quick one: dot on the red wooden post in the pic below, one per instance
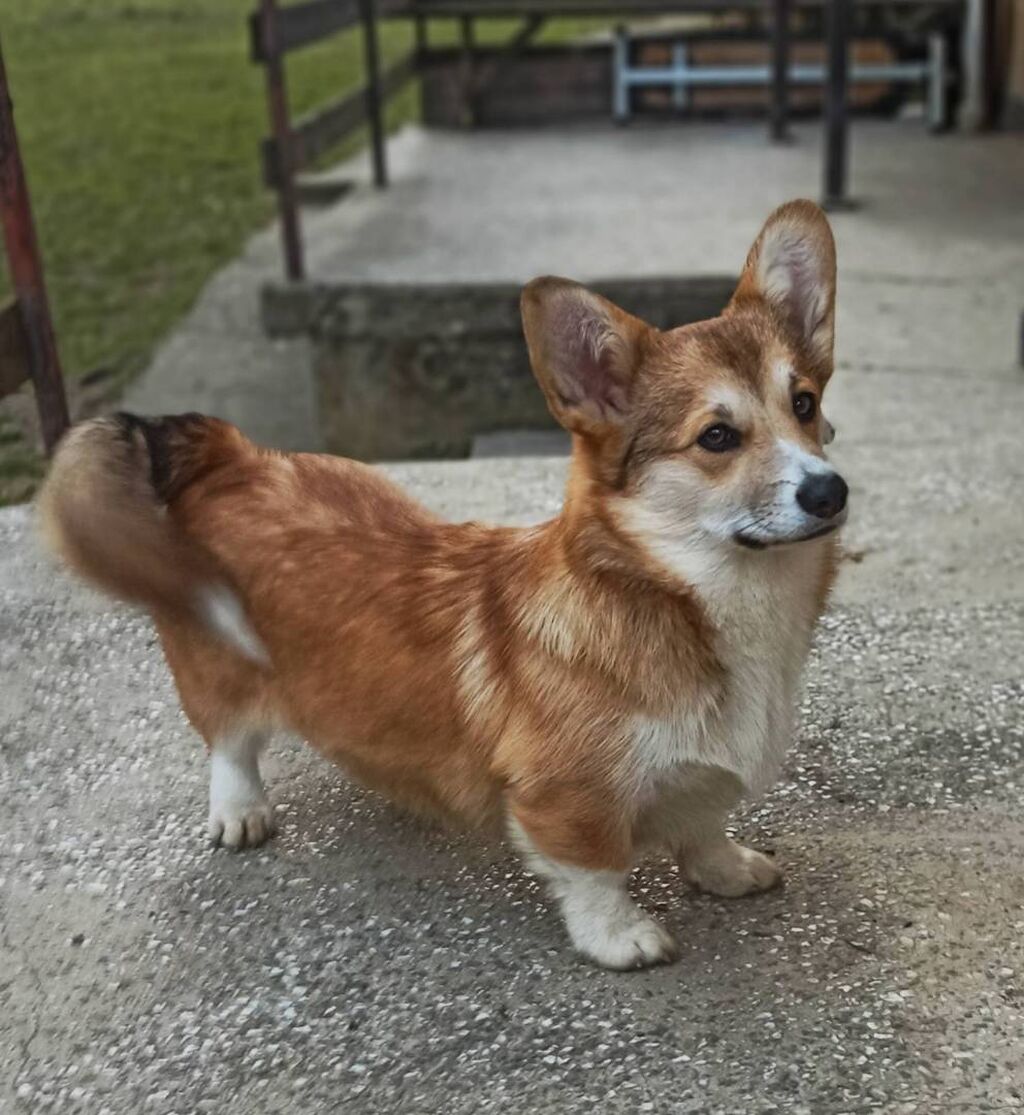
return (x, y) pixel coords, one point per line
(27, 277)
(277, 103)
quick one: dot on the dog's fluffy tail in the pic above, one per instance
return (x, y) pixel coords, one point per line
(103, 509)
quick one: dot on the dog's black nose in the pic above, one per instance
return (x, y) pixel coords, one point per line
(823, 494)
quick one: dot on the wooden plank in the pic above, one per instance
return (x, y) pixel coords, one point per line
(13, 349)
(397, 75)
(375, 99)
(315, 134)
(300, 25)
(510, 50)
(571, 82)
(512, 9)
(280, 124)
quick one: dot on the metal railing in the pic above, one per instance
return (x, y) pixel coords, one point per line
(293, 146)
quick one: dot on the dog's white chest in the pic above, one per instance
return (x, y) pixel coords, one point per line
(763, 625)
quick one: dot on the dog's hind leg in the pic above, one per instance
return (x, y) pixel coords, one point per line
(228, 700)
(241, 816)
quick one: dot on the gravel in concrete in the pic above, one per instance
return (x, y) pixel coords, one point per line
(366, 962)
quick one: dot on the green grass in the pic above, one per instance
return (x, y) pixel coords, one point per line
(139, 123)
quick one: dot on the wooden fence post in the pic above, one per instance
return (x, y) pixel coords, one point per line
(837, 34)
(38, 344)
(374, 101)
(780, 72)
(277, 105)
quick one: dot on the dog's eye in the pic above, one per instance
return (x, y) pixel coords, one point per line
(719, 438)
(805, 406)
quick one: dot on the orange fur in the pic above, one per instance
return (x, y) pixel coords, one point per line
(472, 671)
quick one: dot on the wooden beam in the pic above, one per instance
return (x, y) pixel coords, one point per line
(374, 94)
(510, 50)
(317, 133)
(280, 123)
(13, 349)
(552, 9)
(25, 266)
(467, 71)
(299, 25)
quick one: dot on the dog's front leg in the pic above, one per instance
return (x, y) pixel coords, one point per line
(240, 814)
(586, 865)
(708, 858)
(720, 866)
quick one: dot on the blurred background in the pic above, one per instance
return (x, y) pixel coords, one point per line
(500, 139)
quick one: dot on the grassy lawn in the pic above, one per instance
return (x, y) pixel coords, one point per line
(139, 123)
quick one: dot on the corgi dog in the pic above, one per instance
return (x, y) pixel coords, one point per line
(609, 683)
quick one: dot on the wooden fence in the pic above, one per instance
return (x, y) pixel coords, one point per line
(295, 145)
(28, 350)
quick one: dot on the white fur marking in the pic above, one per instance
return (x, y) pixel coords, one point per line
(761, 605)
(223, 613)
(731, 398)
(603, 922)
(781, 519)
(240, 813)
(782, 373)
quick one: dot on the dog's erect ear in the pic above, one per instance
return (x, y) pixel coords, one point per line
(584, 351)
(792, 266)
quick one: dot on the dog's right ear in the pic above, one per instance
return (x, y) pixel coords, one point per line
(585, 352)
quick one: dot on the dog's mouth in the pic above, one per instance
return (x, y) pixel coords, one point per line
(752, 543)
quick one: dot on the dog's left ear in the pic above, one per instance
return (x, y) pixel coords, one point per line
(792, 266)
(585, 353)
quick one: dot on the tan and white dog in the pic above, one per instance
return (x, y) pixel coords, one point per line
(610, 682)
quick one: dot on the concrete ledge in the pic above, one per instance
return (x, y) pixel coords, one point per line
(417, 370)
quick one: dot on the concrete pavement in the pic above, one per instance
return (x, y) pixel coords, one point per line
(365, 962)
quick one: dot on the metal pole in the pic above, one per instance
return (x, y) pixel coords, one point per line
(780, 72)
(422, 35)
(837, 31)
(374, 106)
(26, 269)
(937, 80)
(468, 74)
(277, 107)
(620, 64)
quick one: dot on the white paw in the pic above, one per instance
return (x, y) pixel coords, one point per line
(243, 824)
(240, 815)
(624, 944)
(731, 871)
